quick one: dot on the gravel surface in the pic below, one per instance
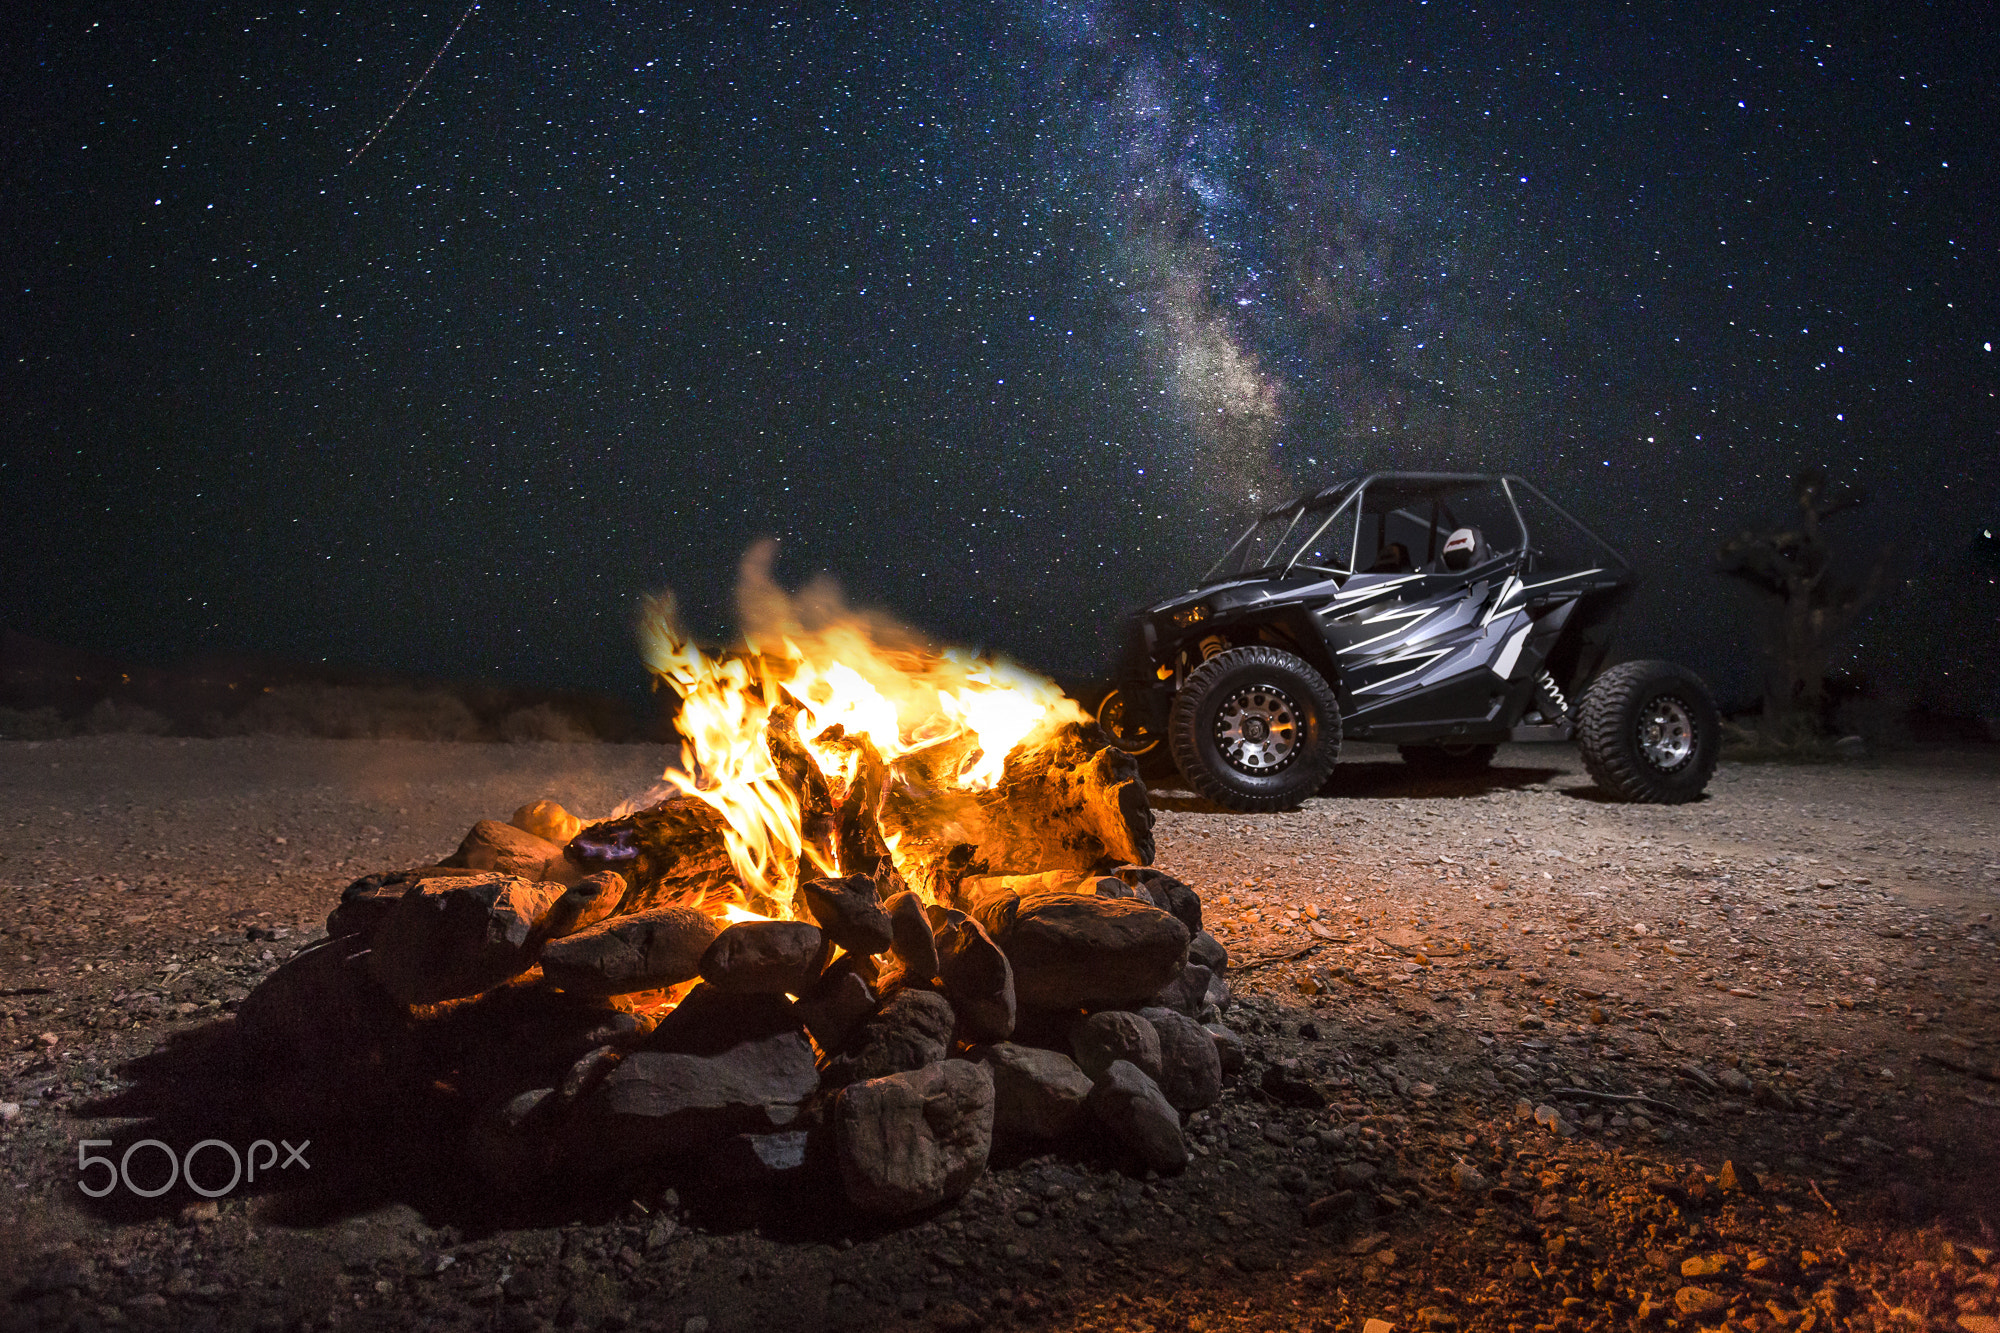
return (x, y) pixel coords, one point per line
(1519, 1059)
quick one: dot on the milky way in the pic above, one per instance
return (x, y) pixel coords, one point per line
(1003, 315)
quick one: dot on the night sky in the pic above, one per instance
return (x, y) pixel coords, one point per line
(1007, 315)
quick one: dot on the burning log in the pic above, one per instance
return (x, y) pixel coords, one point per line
(1074, 802)
(932, 853)
(673, 852)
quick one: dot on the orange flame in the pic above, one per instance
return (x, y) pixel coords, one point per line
(861, 674)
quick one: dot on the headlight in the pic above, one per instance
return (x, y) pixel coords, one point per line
(1190, 615)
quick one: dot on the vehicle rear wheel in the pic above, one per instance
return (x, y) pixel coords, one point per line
(1255, 729)
(1111, 715)
(1448, 761)
(1649, 733)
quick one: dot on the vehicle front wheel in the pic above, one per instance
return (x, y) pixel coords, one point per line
(1448, 761)
(1255, 729)
(1649, 733)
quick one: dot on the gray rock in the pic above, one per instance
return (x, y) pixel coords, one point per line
(1071, 951)
(1110, 1035)
(709, 1021)
(449, 938)
(510, 1145)
(1186, 994)
(834, 1006)
(662, 946)
(912, 941)
(1468, 1178)
(1037, 1095)
(912, 1140)
(584, 904)
(976, 976)
(912, 1029)
(1167, 893)
(1207, 950)
(659, 1104)
(492, 845)
(763, 957)
(1733, 1080)
(1228, 1047)
(319, 1008)
(850, 913)
(1354, 1175)
(1130, 1105)
(1190, 1066)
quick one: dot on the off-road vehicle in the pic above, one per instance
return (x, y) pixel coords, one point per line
(1443, 612)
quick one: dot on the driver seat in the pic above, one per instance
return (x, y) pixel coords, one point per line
(1465, 548)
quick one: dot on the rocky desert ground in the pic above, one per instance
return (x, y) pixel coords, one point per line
(1518, 1059)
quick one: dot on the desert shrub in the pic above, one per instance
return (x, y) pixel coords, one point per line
(543, 722)
(114, 717)
(347, 712)
(32, 724)
(1792, 738)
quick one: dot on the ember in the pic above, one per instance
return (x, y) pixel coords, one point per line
(891, 905)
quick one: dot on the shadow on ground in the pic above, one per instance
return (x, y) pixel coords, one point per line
(350, 1136)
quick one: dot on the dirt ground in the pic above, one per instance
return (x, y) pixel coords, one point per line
(1519, 1059)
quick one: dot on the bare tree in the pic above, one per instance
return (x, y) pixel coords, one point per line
(1794, 564)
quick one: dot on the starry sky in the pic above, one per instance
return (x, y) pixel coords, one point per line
(1007, 315)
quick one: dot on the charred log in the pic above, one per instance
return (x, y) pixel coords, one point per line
(673, 852)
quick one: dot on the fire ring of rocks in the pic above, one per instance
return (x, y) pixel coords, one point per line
(991, 963)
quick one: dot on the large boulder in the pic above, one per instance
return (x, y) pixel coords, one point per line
(585, 903)
(1038, 1095)
(912, 1029)
(492, 845)
(662, 946)
(1072, 951)
(850, 912)
(450, 938)
(912, 1140)
(763, 957)
(1110, 1035)
(1131, 1106)
(975, 975)
(912, 941)
(661, 1104)
(318, 1008)
(1190, 1076)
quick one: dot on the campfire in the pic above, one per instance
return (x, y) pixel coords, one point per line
(891, 905)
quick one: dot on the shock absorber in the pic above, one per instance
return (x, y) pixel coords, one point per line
(1549, 698)
(1212, 645)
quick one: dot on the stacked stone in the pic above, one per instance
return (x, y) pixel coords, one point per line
(888, 1041)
